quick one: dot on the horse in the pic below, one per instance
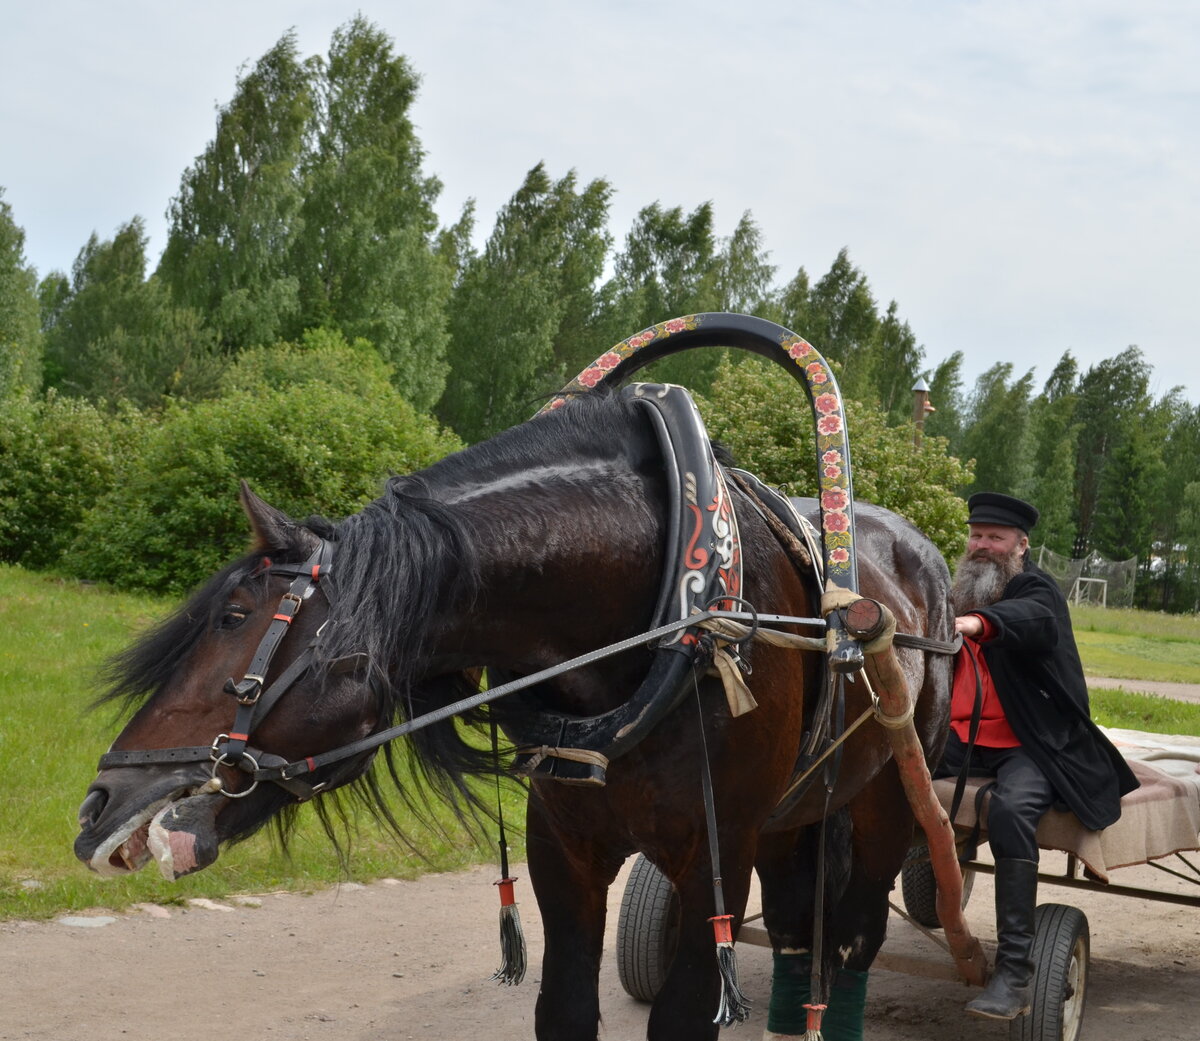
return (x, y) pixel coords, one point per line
(515, 555)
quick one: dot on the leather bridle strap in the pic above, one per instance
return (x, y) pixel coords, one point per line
(249, 689)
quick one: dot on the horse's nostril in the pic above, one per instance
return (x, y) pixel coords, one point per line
(92, 807)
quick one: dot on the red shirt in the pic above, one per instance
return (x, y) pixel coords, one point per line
(994, 731)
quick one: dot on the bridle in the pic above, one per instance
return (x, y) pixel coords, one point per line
(254, 698)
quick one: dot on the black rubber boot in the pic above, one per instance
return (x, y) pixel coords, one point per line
(1008, 991)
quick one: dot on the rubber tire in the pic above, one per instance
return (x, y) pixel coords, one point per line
(647, 930)
(918, 886)
(1061, 944)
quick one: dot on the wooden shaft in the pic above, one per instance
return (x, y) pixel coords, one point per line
(892, 689)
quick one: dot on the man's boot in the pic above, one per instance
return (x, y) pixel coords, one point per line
(1008, 992)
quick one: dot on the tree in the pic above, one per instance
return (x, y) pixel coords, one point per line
(762, 414)
(1177, 535)
(743, 274)
(364, 250)
(1130, 486)
(946, 396)
(843, 323)
(111, 334)
(520, 312)
(895, 364)
(1054, 435)
(20, 336)
(996, 432)
(669, 267)
(1113, 394)
(234, 223)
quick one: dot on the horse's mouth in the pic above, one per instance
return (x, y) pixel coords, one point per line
(178, 831)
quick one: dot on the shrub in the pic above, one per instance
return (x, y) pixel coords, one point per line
(58, 455)
(762, 414)
(173, 517)
(321, 356)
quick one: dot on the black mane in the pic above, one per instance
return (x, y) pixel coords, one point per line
(398, 564)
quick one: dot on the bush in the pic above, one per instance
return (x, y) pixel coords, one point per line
(762, 414)
(321, 356)
(173, 517)
(58, 455)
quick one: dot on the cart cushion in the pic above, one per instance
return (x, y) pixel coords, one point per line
(1159, 818)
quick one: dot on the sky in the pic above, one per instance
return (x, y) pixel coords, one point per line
(1021, 177)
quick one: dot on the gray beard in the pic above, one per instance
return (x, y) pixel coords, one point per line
(978, 583)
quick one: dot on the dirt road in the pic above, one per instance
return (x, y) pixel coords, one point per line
(409, 961)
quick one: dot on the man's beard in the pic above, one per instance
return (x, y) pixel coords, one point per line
(980, 581)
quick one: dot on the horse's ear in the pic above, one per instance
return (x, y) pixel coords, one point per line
(273, 529)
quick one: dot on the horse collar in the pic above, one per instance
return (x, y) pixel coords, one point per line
(702, 568)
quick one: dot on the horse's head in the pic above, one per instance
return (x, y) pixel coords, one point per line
(243, 669)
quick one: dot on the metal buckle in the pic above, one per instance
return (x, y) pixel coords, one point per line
(219, 757)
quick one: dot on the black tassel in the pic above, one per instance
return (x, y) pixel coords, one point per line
(734, 1006)
(512, 938)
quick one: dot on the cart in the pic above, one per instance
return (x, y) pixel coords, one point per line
(1159, 823)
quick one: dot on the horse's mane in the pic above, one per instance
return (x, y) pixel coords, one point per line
(398, 564)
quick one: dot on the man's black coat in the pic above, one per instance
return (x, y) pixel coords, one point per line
(1038, 676)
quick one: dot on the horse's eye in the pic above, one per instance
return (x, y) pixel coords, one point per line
(232, 617)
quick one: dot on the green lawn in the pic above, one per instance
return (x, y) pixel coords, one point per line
(1138, 645)
(55, 633)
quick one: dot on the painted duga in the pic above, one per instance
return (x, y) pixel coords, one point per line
(515, 555)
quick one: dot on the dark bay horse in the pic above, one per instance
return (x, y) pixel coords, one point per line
(515, 555)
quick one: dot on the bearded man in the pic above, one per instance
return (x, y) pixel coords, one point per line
(1019, 714)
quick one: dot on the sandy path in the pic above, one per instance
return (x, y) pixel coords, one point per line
(410, 961)
(1178, 691)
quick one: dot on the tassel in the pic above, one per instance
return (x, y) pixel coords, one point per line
(512, 938)
(813, 1031)
(734, 1006)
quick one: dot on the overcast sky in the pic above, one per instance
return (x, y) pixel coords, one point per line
(1022, 177)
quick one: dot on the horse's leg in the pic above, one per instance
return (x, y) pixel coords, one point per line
(571, 872)
(882, 835)
(684, 1008)
(788, 873)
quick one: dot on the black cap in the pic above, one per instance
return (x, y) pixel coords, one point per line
(994, 508)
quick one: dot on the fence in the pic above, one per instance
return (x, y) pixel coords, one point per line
(1090, 580)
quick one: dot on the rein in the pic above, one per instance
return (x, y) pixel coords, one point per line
(232, 749)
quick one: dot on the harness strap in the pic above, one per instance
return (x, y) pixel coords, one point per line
(248, 690)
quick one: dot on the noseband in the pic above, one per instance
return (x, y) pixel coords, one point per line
(254, 698)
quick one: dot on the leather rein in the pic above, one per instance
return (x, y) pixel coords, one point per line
(255, 699)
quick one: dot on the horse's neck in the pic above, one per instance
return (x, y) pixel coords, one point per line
(566, 565)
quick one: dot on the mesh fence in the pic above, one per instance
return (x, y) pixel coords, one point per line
(1092, 579)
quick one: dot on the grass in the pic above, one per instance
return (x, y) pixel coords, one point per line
(54, 634)
(1153, 713)
(1138, 645)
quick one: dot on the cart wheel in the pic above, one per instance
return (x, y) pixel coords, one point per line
(918, 886)
(1060, 958)
(647, 930)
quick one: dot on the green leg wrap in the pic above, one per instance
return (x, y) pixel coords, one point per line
(843, 1020)
(790, 989)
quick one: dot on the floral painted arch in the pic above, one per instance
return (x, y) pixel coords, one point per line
(805, 363)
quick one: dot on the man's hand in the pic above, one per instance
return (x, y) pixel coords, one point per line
(969, 625)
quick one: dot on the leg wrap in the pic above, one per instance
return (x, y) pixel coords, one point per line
(843, 1020)
(790, 989)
